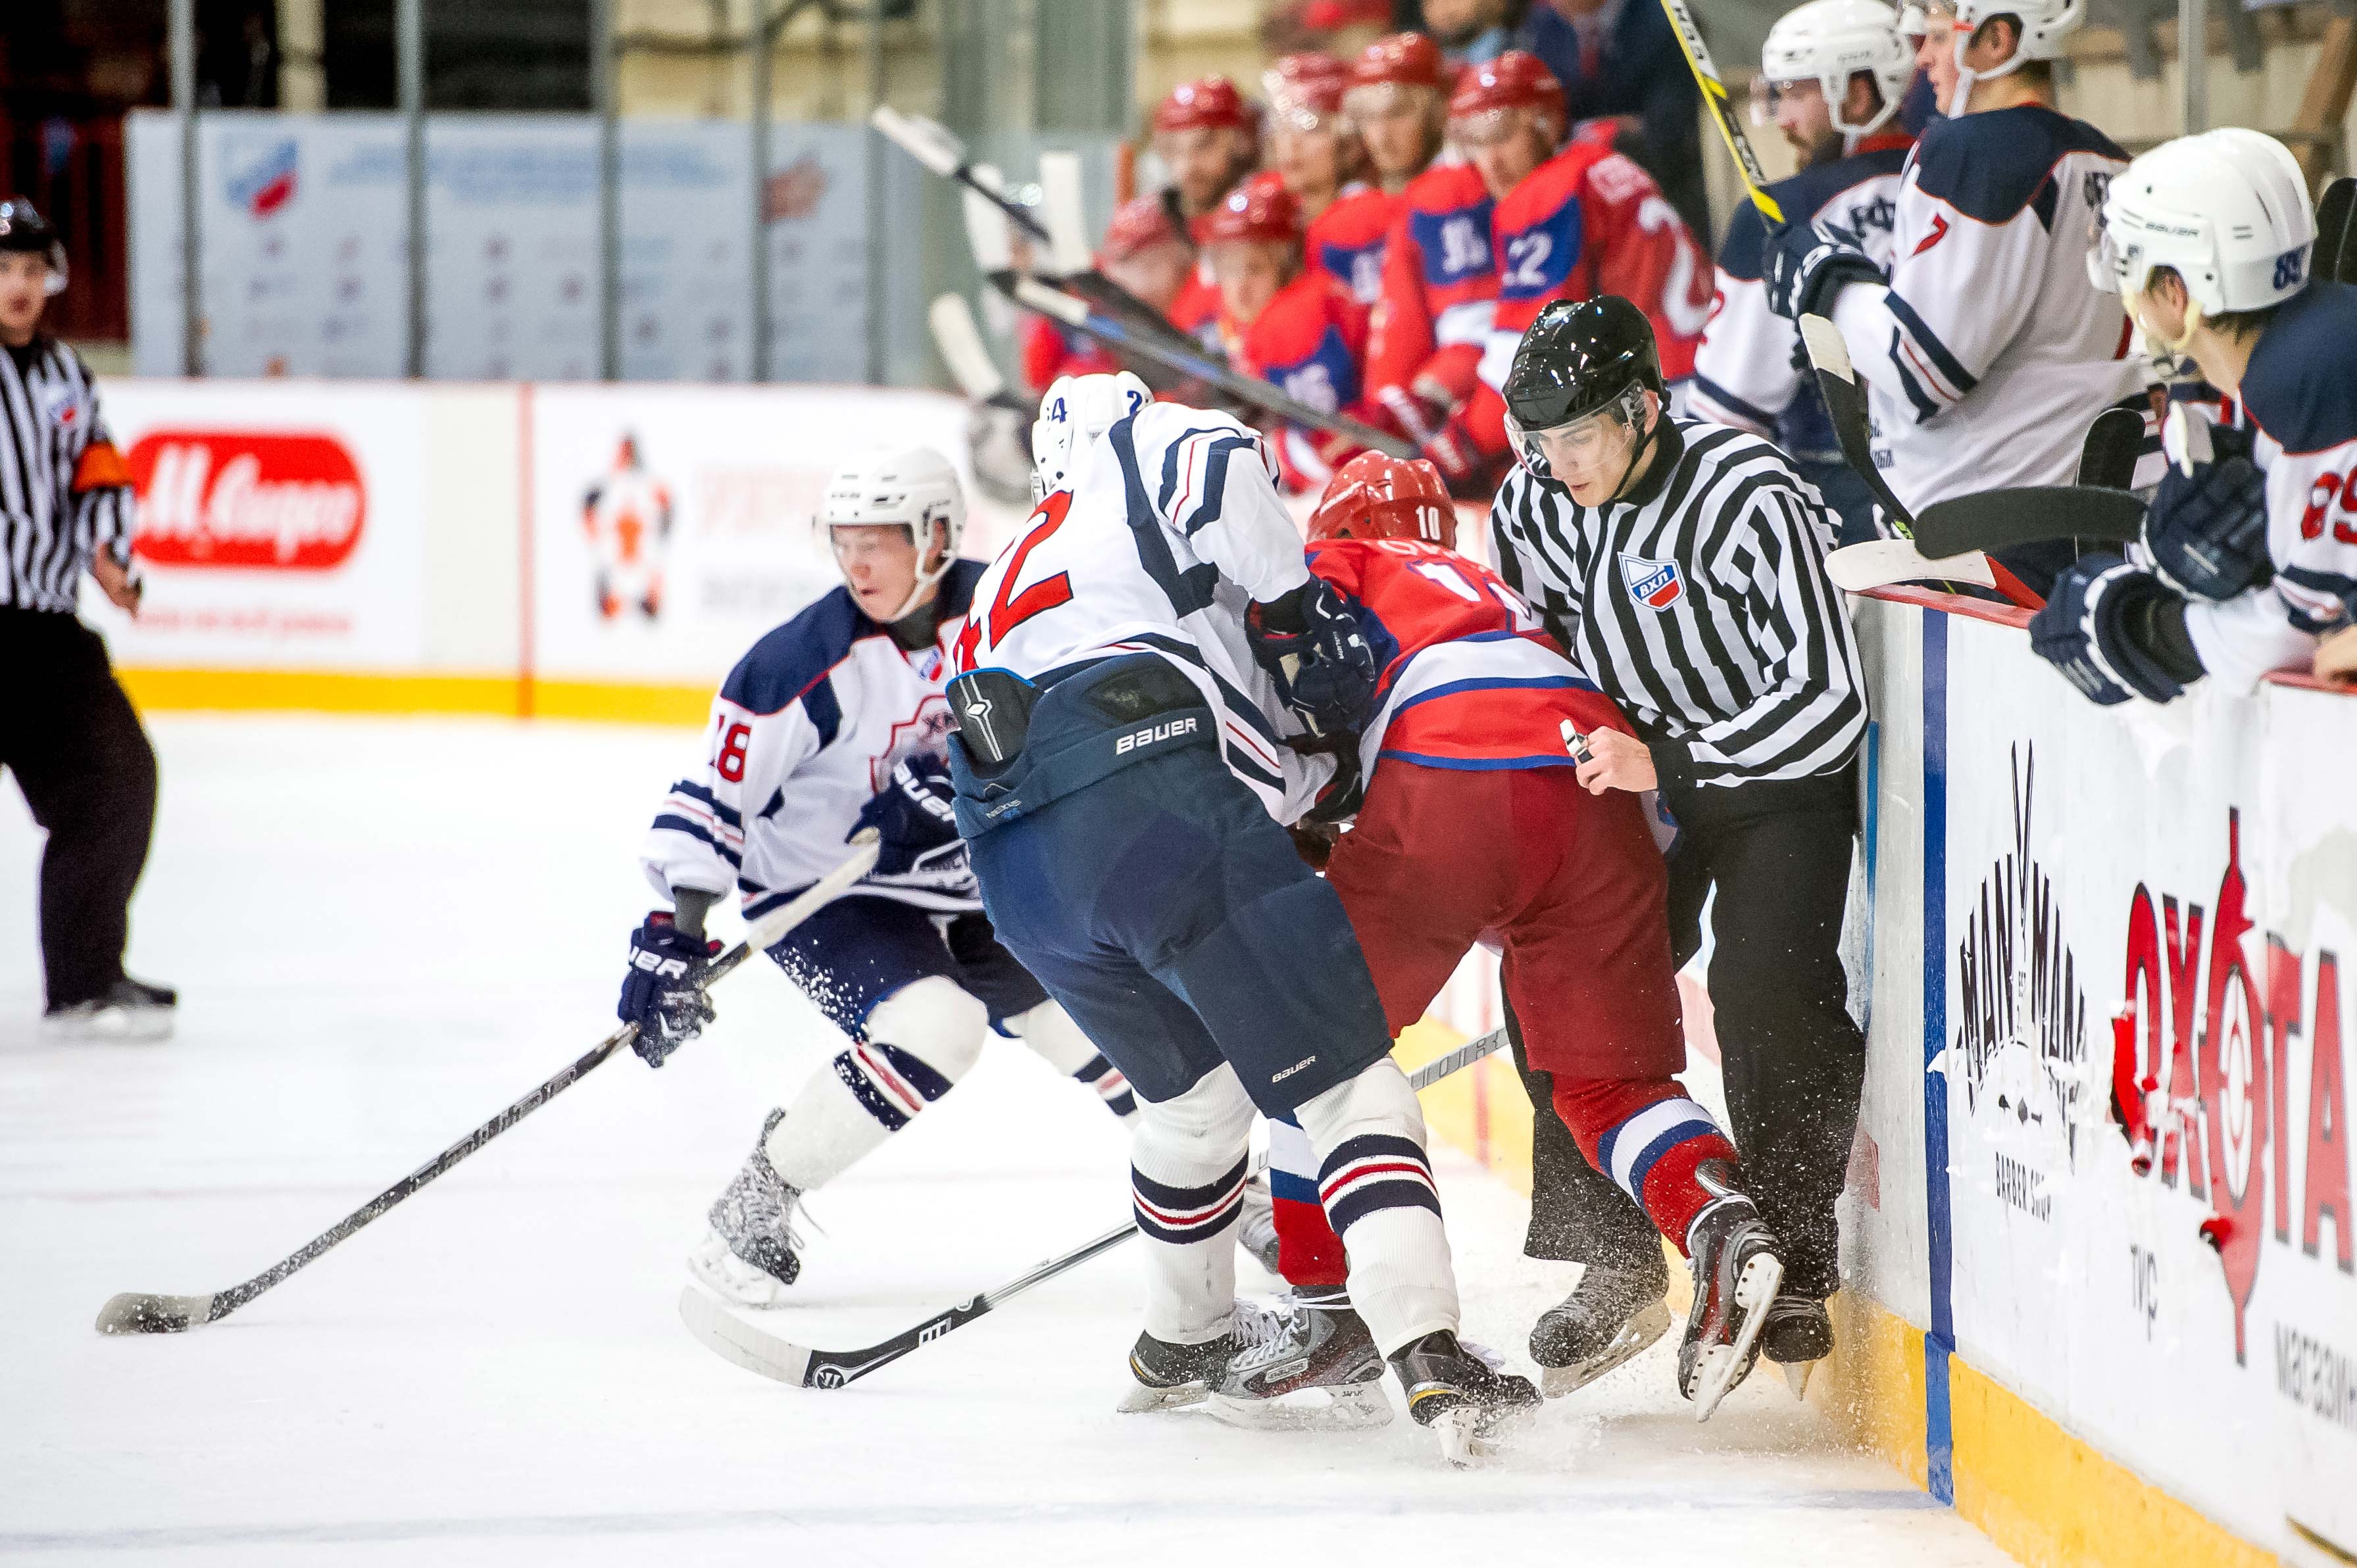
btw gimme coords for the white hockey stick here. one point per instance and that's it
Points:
(773, 1355)
(1879, 563)
(959, 341)
(135, 1312)
(1068, 236)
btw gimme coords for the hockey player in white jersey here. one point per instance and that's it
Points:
(1137, 664)
(1832, 76)
(1986, 351)
(2249, 552)
(836, 721)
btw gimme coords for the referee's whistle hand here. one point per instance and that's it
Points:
(1616, 761)
(122, 589)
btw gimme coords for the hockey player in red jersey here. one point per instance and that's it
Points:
(1208, 138)
(1315, 149)
(1396, 96)
(1473, 825)
(1292, 326)
(1439, 294)
(1572, 224)
(1145, 252)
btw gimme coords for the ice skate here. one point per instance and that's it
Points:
(1322, 1345)
(128, 1010)
(1256, 1225)
(752, 1252)
(1609, 1318)
(1469, 1405)
(1797, 1336)
(1166, 1376)
(1736, 1268)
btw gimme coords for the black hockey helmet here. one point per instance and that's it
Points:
(1580, 357)
(26, 231)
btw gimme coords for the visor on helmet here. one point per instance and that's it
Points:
(1582, 439)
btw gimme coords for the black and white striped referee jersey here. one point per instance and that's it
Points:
(64, 491)
(1700, 603)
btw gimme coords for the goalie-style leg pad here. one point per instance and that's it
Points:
(920, 1041)
(1649, 1138)
(1050, 1030)
(1376, 1187)
(1189, 1159)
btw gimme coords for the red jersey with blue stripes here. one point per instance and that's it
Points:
(1439, 282)
(1589, 222)
(1308, 343)
(1468, 679)
(1051, 349)
(1346, 240)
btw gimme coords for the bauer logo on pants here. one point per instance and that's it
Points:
(1656, 584)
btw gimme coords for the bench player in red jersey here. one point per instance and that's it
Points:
(1208, 137)
(1439, 294)
(1291, 325)
(1475, 826)
(1315, 148)
(1145, 252)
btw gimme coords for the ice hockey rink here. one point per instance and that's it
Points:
(382, 931)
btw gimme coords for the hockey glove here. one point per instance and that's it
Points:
(915, 817)
(663, 992)
(1310, 640)
(1803, 270)
(2206, 531)
(2089, 630)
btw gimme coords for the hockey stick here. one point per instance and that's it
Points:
(133, 1313)
(1714, 93)
(2029, 514)
(959, 341)
(1845, 403)
(2335, 232)
(772, 1356)
(1039, 296)
(2107, 458)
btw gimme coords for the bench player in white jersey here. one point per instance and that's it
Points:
(2249, 552)
(1134, 667)
(1832, 76)
(833, 721)
(1986, 352)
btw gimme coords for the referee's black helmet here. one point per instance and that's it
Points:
(24, 230)
(1578, 358)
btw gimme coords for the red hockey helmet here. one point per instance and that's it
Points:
(1206, 103)
(1485, 93)
(1259, 209)
(1305, 89)
(1403, 59)
(1375, 496)
(1138, 225)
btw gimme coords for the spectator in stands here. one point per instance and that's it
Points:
(1471, 32)
(1618, 59)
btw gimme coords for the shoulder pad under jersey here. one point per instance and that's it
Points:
(796, 656)
(2301, 387)
(1448, 221)
(1991, 165)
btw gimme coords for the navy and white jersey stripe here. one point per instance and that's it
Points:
(1701, 606)
(56, 509)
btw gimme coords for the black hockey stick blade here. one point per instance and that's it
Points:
(139, 1312)
(2335, 232)
(1998, 519)
(2107, 460)
(779, 1360)
(1845, 406)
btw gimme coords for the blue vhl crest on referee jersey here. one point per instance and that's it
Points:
(1656, 584)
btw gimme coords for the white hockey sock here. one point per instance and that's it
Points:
(1189, 1159)
(1050, 1030)
(1377, 1186)
(920, 1040)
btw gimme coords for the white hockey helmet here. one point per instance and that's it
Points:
(1074, 411)
(1830, 41)
(2043, 25)
(909, 487)
(2226, 210)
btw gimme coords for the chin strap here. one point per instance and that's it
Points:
(1636, 453)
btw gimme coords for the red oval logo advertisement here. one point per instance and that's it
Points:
(246, 499)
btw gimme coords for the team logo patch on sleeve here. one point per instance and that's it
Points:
(1656, 584)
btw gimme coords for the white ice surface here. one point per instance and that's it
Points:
(385, 930)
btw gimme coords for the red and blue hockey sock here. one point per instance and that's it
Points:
(1309, 1252)
(1648, 1137)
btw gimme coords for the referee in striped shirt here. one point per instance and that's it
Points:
(66, 729)
(1683, 565)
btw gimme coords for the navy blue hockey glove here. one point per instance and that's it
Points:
(663, 992)
(1310, 639)
(2208, 531)
(1803, 270)
(2083, 631)
(915, 818)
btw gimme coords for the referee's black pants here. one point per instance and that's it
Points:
(69, 734)
(1778, 855)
